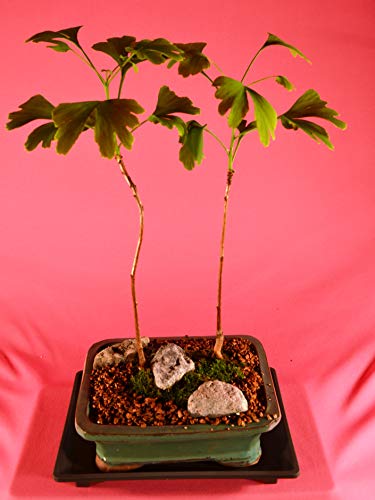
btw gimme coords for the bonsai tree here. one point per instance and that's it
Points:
(114, 119)
(234, 96)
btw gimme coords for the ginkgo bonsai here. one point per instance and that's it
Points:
(114, 120)
(234, 96)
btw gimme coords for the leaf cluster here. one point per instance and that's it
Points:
(113, 121)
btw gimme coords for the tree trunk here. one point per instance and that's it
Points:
(133, 187)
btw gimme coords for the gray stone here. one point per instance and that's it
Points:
(115, 353)
(169, 365)
(216, 398)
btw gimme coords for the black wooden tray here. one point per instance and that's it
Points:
(75, 460)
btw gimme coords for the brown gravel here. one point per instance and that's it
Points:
(112, 400)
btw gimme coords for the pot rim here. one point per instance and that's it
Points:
(85, 427)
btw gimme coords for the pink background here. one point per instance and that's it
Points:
(299, 271)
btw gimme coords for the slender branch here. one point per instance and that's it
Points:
(250, 64)
(91, 64)
(262, 79)
(208, 77)
(219, 330)
(133, 187)
(139, 125)
(216, 138)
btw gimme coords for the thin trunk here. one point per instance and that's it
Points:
(133, 187)
(219, 331)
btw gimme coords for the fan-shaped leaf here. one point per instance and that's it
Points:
(116, 47)
(37, 107)
(156, 51)
(310, 104)
(244, 128)
(57, 39)
(265, 117)
(284, 82)
(191, 152)
(312, 129)
(70, 120)
(44, 134)
(112, 119)
(169, 102)
(232, 94)
(194, 61)
(274, 40)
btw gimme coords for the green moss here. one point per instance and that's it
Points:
(206, 369)
(143, 383)
(219, 369)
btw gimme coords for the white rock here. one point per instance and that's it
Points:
(115, 353)
(216, 398)
(169, 365)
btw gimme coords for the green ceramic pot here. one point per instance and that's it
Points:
(120, 446)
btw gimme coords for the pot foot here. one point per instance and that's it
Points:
(104, 467)
(242, 463)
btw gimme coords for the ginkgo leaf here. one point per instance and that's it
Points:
(244, 128)
(274, 40)
(57, 39)
(113, 118)
(194, 61)
(315, 131)
(37, 107)
(110, 119)
(310, 104)
(284, 82)
(70, 120)
(169, 102)
(156, 51)
(265, 117)
(116, 47)
(44, 134)
(191, 152)
(232, 94)
(170, 121)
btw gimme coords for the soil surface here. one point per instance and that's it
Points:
(114, 401)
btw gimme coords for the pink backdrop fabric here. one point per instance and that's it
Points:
(299, 270)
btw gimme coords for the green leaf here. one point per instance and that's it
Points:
(194, 61)
(311, 105)
(169, 102)
(283, 80)
(110, 119)
(232, 94)
(244, 128)
(37, 107)
(265, 117)
(170, 121)
(191, 152)
(70, 120)
(274, 40)
(312, 129)
(44, 134)
(57, 39)
(116, 47)
(156, 51)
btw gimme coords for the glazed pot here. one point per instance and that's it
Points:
(126, 447)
